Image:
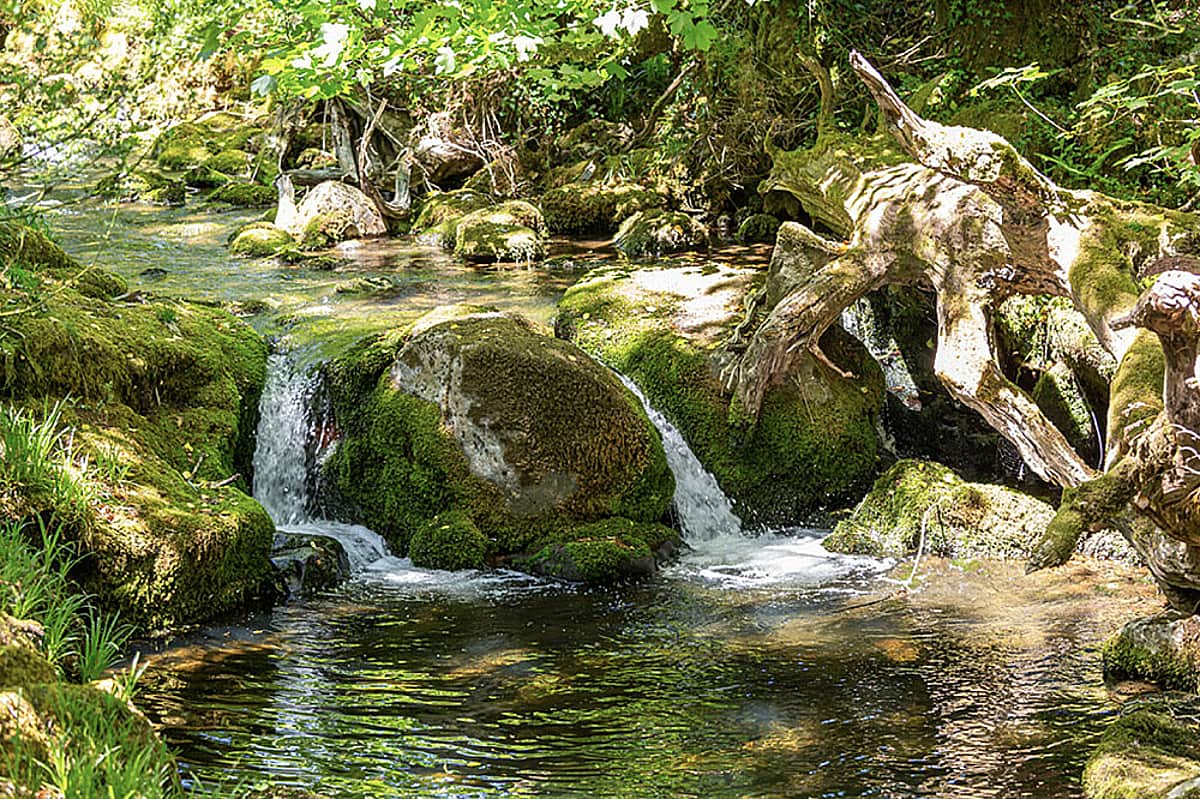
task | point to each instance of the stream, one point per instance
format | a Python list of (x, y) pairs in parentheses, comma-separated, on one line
[(756, 665)]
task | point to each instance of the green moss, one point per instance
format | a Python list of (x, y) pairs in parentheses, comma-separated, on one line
[(595, 207), (243, 195), (145, 185), (260, 239), (190, 144), (656, 233), (1060, 398), (1144, 754), (814, 441), (25, 247), (231, 162), (327, 229), (450, 541), (1135, 396), (23, 665), (957, 519), (595, 561), (439, 211), (1124, 659), (758, 228)]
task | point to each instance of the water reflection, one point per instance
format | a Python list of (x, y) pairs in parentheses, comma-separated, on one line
[(687, 688)]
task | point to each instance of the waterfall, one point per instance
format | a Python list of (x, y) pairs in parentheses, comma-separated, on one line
[(703, 510), (285, 427)]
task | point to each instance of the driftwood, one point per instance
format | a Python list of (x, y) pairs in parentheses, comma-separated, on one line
[(960, 209)]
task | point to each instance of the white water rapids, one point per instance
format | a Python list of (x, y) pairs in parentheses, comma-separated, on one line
[(719, 551)]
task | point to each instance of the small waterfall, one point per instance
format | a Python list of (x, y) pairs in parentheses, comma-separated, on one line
[(704, 511), (285, 427), (280, 467)]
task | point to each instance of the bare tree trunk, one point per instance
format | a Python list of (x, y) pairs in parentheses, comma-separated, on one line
[(960, 209)]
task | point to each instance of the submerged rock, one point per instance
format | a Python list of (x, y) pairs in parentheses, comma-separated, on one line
[(309, 563), (1162, 649), (480, 414), (164, 401), (656, 233), (814, 443), (956, 518)]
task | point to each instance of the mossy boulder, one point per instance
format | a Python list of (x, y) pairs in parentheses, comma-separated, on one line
[(814, 443), (147, 185), (1146, 753), (512, 231), (188, 145), (595, 207), (260, 239), (957, 518), (221, 168), (1162, 649), (448, 541), (21, 661), (758, 229), (1060, 396), (330, 212), (481, 413), (440, 211), (657, 233), (243, 194), (164, 403)]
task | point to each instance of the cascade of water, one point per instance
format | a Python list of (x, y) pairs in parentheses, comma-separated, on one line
[(703, 510), (280, 468)]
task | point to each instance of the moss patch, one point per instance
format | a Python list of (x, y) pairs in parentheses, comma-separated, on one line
[(449, 541), (595, 207), (260, 239), (1145, 754), (959, 519), (1161, 649), (656, 233), (244, 194)]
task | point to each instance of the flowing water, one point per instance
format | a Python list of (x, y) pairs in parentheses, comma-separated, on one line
[(757, 665)]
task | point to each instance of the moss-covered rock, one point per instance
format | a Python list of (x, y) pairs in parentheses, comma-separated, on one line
[(1161, 649), (480, 413), (146, 185), (814, 442), (448, 541), (260, 239), (10, 138), (440, 212), (595, 207), (758, 229), (512, 231), (1145, 754), (657, 233), (331, 212), (243, 194), (165, 396), (957, 518), (188, 145)]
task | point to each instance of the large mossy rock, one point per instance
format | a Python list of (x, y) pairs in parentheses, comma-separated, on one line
[(596, 207), (440, 211), (473, 418), (1161, 649), (260, 240), (959, 519), (1147, 753), (814, 444), (163, 399)]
